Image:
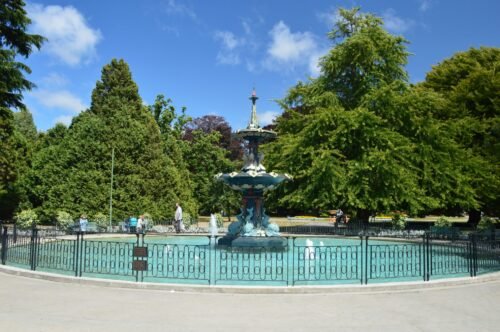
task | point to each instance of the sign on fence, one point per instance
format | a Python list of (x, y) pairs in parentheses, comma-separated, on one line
[(138, 265), (140, 252)]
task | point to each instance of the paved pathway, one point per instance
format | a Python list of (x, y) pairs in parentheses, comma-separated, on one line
[(28, 304)]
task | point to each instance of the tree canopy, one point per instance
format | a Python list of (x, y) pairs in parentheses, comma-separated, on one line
[(360, 137), (14, 42), (469, 82)]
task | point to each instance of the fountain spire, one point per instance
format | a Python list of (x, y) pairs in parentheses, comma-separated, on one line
[(254, 122)]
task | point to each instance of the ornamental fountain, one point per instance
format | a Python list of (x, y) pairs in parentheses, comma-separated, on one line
[(253, 228)]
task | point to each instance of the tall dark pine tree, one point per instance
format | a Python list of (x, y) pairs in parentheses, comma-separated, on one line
[(145, 179), (14, 41)]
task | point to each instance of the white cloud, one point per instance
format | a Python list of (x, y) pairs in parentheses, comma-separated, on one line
[(174, 8), (290, 47), (396, 24), (69, 37), (246, 27), (314, 67), (230, 47), (228, 39), (228, 58), (330, 17), (424, 5), (63, 100), (267, 117), (54, 80), (288, 50)]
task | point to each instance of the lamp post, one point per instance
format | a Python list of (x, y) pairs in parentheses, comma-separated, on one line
[(111, 190)]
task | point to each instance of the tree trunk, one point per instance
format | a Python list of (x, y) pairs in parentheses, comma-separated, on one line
[(474, 218), (363, 216)]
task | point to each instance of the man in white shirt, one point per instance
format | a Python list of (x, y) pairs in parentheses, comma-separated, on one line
[(178, 218)]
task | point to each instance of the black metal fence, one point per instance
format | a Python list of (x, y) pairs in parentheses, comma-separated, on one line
[(357, 260)]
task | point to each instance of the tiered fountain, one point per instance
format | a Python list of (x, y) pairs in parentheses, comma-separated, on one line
[(253, 228)]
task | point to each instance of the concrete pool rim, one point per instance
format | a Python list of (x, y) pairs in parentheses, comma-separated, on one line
[(389, 287)]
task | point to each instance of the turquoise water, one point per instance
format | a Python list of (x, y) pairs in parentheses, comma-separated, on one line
[(306, 261)]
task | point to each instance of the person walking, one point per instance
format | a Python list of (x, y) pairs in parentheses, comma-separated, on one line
[(141, 223), (339, 217), (83, 223), (178, 218), (132, 224)]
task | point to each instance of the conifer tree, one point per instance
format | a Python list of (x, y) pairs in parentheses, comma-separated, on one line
[(145, 178)]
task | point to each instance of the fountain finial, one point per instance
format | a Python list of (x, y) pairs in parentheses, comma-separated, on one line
[(254, 122)]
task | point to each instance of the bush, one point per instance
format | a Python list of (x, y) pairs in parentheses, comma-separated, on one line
[(26, 219), (101, 220), (398, 221), (442, 222), (64, 219), (487, 223), (187, 220), (219, 220)]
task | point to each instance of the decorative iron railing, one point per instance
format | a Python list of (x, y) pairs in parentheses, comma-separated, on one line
[(325, 261)]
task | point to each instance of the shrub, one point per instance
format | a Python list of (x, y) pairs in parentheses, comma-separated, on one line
[(64, 219), (442, 222), (26, 219), (398, 221), (101, 220), (219, 220), (187, 220), (487, 223)]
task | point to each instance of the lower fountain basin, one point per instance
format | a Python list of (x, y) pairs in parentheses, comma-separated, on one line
[(272, 242)]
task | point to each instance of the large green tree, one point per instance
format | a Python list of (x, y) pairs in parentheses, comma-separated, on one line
[(14, 42), (360, 137), (470, 84), (205, 158), (73, 174)]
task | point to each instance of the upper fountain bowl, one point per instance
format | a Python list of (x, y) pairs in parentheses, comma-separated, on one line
[(253, 180)]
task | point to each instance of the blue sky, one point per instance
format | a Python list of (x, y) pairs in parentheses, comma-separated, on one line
[(208, 55)]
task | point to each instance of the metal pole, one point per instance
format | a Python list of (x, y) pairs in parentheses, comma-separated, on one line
[(111, 190), (4, 245)]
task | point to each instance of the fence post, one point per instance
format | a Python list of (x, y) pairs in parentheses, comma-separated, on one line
[(212, 255), (4, 245), (364, 259), (33, 251), (474, 255), (428, 257), (82, 253), (78, 254), (75, 254), (15, 232), (289, 261), (424, 256)]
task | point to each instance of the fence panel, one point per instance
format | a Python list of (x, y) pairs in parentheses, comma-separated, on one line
[(176, 262), (487, 256), (395, 261), (450, 258), (263, 266), (107, 258), (19, 250), (56, 254), (320, 264)]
